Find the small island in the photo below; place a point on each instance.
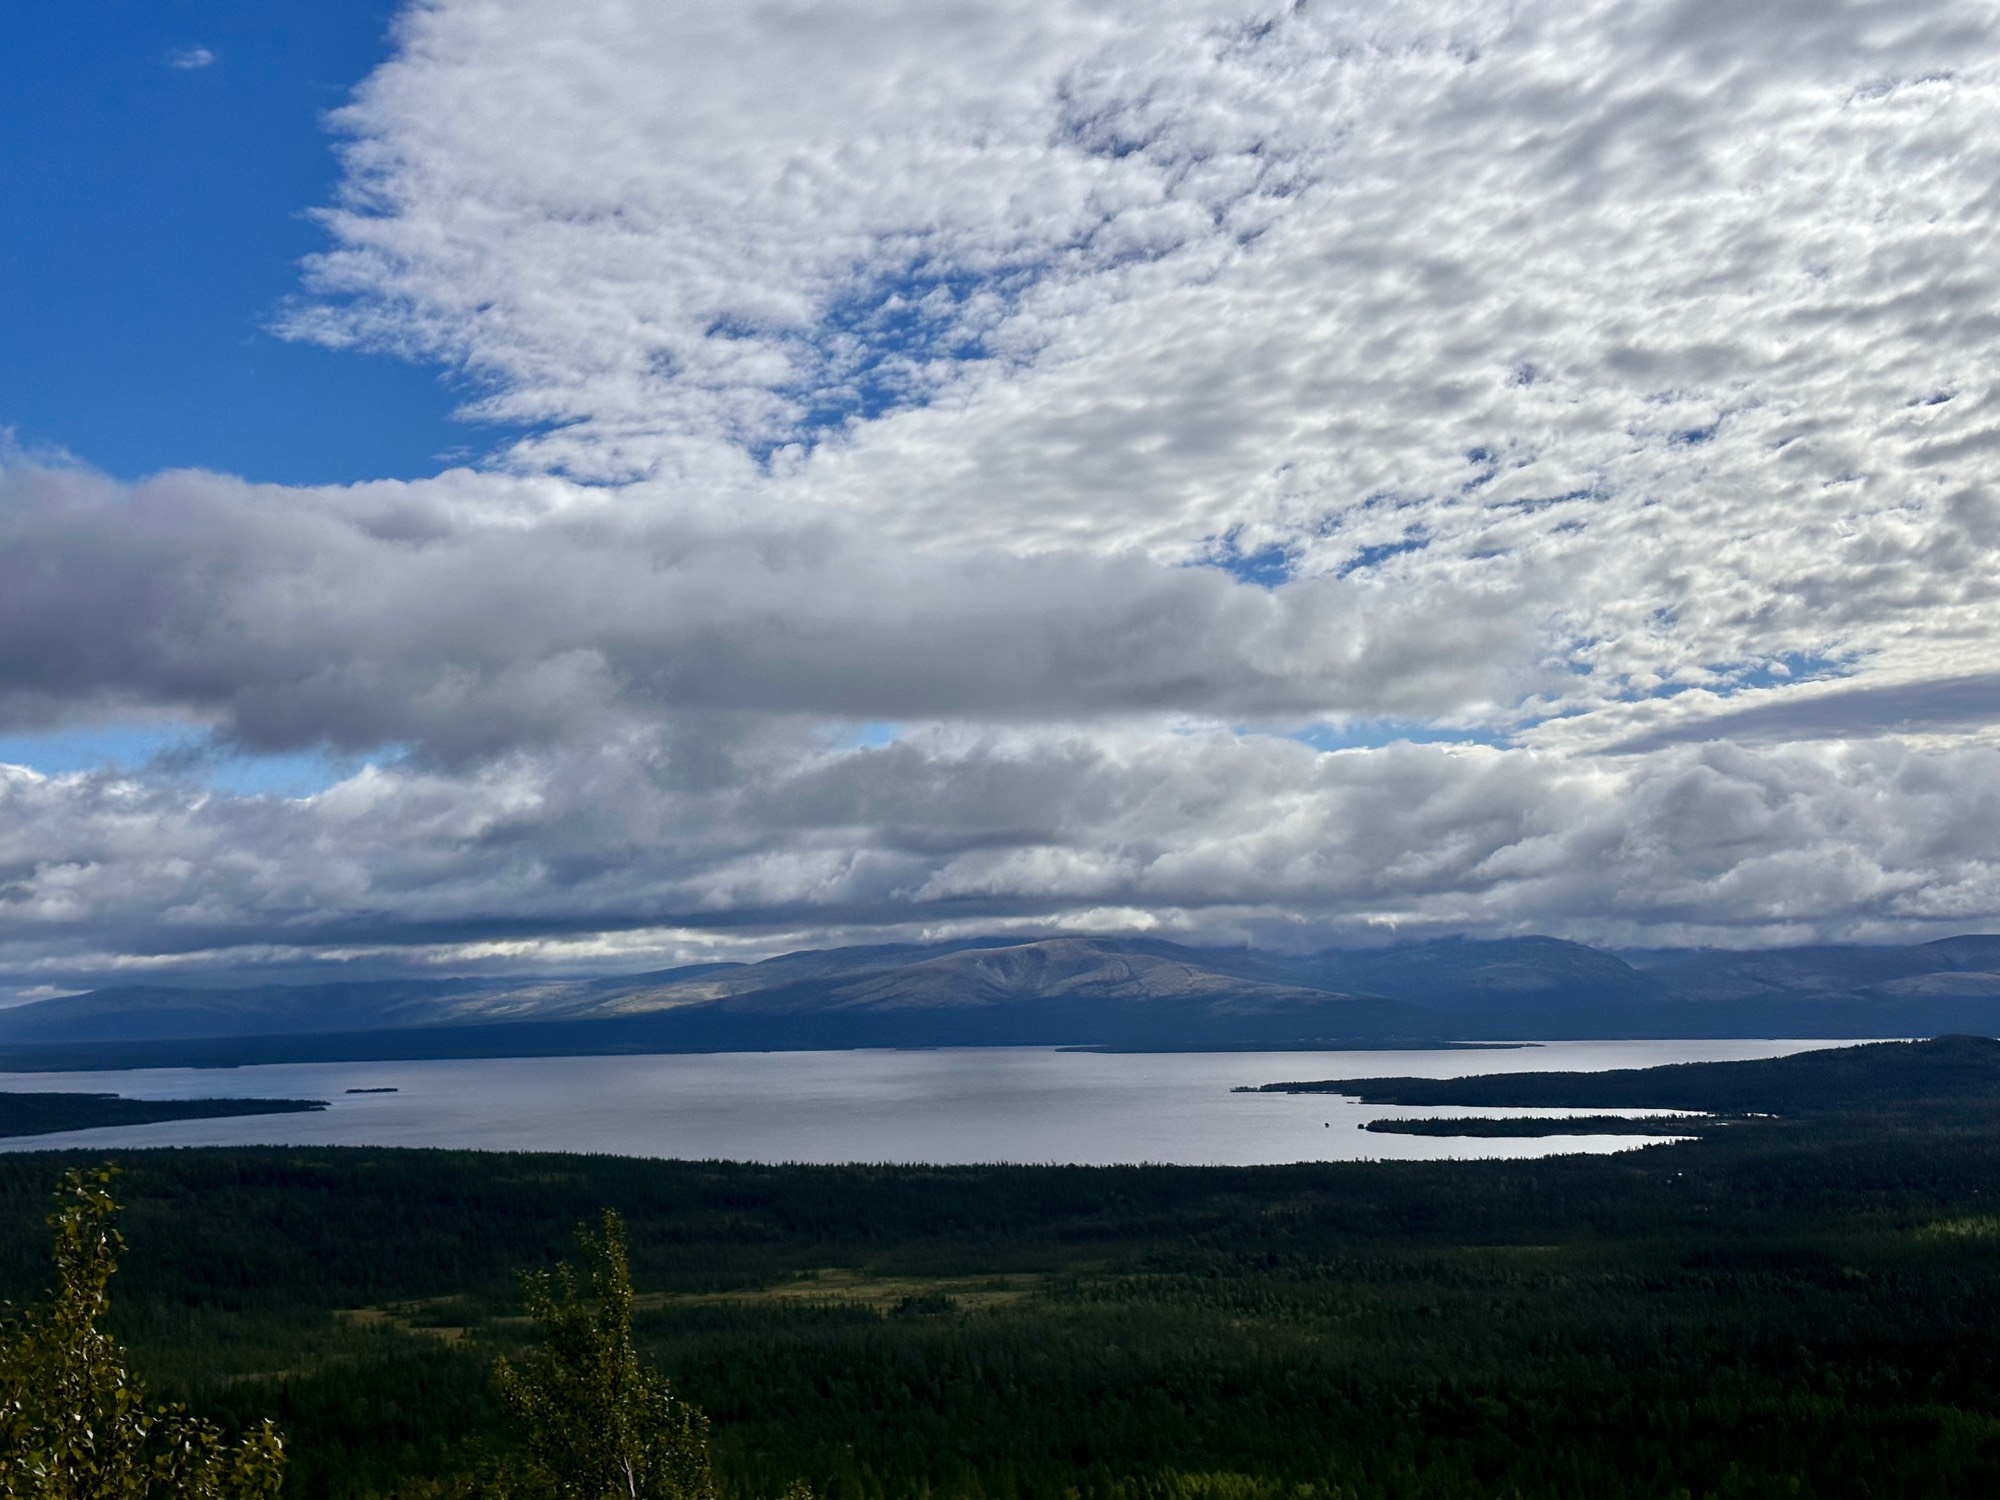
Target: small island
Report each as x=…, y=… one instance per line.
x=46, y=1114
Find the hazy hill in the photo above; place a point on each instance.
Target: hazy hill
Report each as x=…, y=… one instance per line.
x=1105, y=991
x=1533, y=986
x=1960, y=965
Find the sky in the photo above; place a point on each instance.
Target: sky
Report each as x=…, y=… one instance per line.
x=491, y=486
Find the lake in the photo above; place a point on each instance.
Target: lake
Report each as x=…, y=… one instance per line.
x=955, y=1105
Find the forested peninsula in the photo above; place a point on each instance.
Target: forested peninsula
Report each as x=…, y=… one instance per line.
x=47, y=1114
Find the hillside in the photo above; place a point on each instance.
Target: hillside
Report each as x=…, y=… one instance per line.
x=1066, y=991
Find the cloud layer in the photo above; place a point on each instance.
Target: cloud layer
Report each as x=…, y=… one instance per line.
x=1209, y=836
x=967, y=439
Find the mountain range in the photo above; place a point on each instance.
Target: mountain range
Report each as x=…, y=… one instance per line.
x=1133, y=993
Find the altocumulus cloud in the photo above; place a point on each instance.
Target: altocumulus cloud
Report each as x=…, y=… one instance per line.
x=1100, y=395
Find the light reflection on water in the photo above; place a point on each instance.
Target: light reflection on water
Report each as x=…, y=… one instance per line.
x=956, y=1105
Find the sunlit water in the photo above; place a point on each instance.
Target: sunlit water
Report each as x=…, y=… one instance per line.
x=959, y=1105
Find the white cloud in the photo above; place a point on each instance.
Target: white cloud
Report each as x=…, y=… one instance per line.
x=1541, y=288
x=187, y=59
x=1213, y=835
x=1609, y=381
x=465, y=617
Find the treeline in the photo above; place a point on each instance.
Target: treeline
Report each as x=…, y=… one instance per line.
x=1883, y=1078
x=1774, y=1311
x=44, y=1114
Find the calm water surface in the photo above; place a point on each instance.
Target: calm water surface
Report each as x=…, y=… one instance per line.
x=962, y=1105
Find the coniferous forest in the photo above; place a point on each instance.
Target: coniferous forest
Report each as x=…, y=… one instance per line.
x=1787, y=1307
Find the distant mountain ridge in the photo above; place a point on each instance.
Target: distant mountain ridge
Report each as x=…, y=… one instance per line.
x=1083, y=991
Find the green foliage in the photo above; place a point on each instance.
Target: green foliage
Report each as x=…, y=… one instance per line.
x=1885, y=1078
x=596, y=1423
x=1781, y=1310
x=74, y=1423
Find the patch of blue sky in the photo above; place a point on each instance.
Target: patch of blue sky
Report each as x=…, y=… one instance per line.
x=1660, y=691
x=1267, y=567
x=1485, y=468
x=1375, y=734
x=1380, y=552
x=1578, y=662
x=889, y=344
x=874, y=734
x=173, y=753
x=891, y=341
x=59, y=752
x=1529, y=505
x=303, y=774
x=157, y=163
x=1727, y=679
x=1271, y=566
x=1780, y=671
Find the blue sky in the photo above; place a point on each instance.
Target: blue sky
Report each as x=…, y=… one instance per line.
x=157, y=217
x=127, y=750
x=159, y=159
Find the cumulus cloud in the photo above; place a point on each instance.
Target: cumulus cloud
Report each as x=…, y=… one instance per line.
x=1100, y=393
x=1954, y=703
x=1205, y=836
x=1445, y=290
x=390, y=615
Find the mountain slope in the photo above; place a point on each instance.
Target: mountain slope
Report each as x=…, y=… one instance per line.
x=1125, y=992
x=1509, y=980
x=1086, y=991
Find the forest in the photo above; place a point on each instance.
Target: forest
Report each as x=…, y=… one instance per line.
x=1804, y=1306
x=45, y=1114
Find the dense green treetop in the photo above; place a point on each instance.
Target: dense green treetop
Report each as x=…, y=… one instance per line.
x=75, y=1424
